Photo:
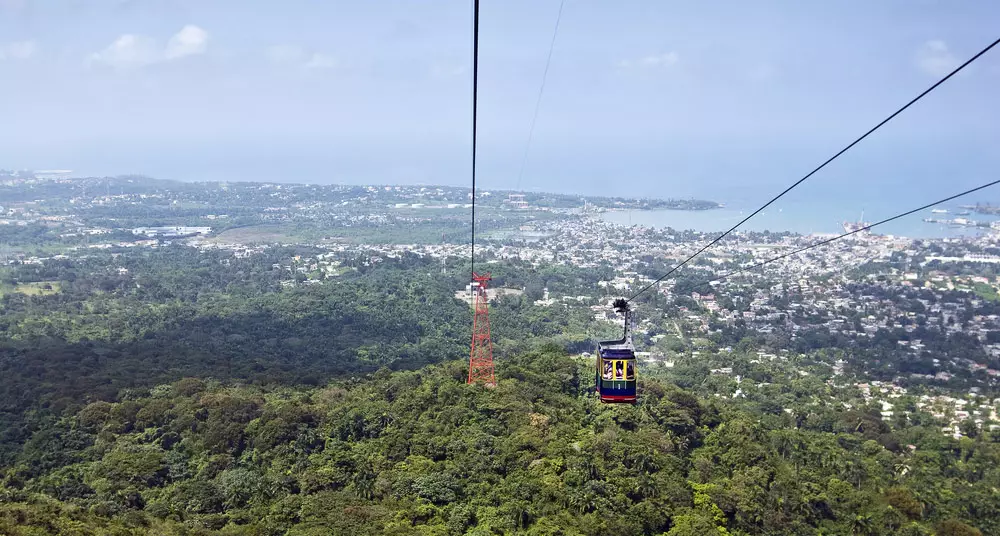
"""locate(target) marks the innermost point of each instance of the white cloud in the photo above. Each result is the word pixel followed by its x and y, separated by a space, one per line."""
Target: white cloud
pixel 320 61
pixel 128 51
pixel 19 50
pixel 133 50
pixel 190 41
pixel 933 58
pixel 296 56
pixel 286 54
pixel 665 59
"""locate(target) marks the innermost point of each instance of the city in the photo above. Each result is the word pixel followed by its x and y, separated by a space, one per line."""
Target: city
pixel 927 308
pixel 539 268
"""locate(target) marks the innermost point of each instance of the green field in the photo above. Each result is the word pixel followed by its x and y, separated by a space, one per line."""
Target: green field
pixel 259 234
pixel 44 288
pixel 986 292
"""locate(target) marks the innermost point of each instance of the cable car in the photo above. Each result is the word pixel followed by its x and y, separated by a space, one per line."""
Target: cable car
pixel 616 367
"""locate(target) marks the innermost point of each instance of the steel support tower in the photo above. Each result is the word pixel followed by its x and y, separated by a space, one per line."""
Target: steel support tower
pixel 481 357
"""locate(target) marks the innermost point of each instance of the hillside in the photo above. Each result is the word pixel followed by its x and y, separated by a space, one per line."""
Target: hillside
pixel 182 387
pixel 123 322
pixel 420 452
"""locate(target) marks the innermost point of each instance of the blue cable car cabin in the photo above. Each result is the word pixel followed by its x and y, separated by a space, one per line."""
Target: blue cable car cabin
pixel 616 372
pixel 616 366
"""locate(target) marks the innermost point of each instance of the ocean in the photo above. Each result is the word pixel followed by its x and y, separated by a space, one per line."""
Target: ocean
pixel 796 219
pixel 880 179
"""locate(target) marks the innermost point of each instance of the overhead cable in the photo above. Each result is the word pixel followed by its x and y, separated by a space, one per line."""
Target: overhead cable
pixel 821 166
pixel 844 235
pixel 475 106
pixel 538 101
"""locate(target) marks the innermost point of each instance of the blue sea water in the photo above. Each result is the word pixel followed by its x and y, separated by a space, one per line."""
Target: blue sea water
pixel 798 221
pixel 878 178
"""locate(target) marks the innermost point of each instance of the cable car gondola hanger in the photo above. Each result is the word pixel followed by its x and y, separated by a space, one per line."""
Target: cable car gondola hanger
pixel 616 372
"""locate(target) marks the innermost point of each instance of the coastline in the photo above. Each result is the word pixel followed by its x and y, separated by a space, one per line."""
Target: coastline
pixel 801 221
pixel 671 209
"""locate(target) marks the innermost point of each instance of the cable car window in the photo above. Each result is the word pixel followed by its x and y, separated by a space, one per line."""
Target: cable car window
pixel 630 370
pixel 607 369
pixel 619 370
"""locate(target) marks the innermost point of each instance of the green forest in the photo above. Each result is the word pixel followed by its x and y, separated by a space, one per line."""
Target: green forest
pixel 119 322
pixel 420 452
pixel 173 391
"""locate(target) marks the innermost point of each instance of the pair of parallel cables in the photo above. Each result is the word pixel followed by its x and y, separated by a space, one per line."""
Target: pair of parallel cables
pixel 475 103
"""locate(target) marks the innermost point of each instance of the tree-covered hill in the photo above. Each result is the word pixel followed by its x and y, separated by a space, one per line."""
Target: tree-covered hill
pixel 420 452
pixel 144 318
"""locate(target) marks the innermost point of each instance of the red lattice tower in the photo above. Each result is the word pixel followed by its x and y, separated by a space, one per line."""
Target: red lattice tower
pixel 481 358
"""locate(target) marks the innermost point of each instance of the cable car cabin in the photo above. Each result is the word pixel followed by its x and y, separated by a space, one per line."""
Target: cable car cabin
pixel 616 367
pixel 616 372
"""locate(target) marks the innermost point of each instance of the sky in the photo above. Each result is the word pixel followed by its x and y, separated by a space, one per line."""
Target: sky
pixel 729 100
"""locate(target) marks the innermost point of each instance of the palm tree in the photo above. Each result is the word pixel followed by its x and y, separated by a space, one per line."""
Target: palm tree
pixel 784 443
pixel 832 460
pixel 583 500
pixel 646 487
pixel 364 483
pixel 862 524
pixel 644 462
pixel 893 518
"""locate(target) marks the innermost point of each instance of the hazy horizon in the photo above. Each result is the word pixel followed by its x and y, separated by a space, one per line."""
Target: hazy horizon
pixel 643 99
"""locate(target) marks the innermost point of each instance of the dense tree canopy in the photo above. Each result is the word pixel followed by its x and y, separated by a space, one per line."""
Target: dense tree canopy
pixel 420 452
pixel 174 391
